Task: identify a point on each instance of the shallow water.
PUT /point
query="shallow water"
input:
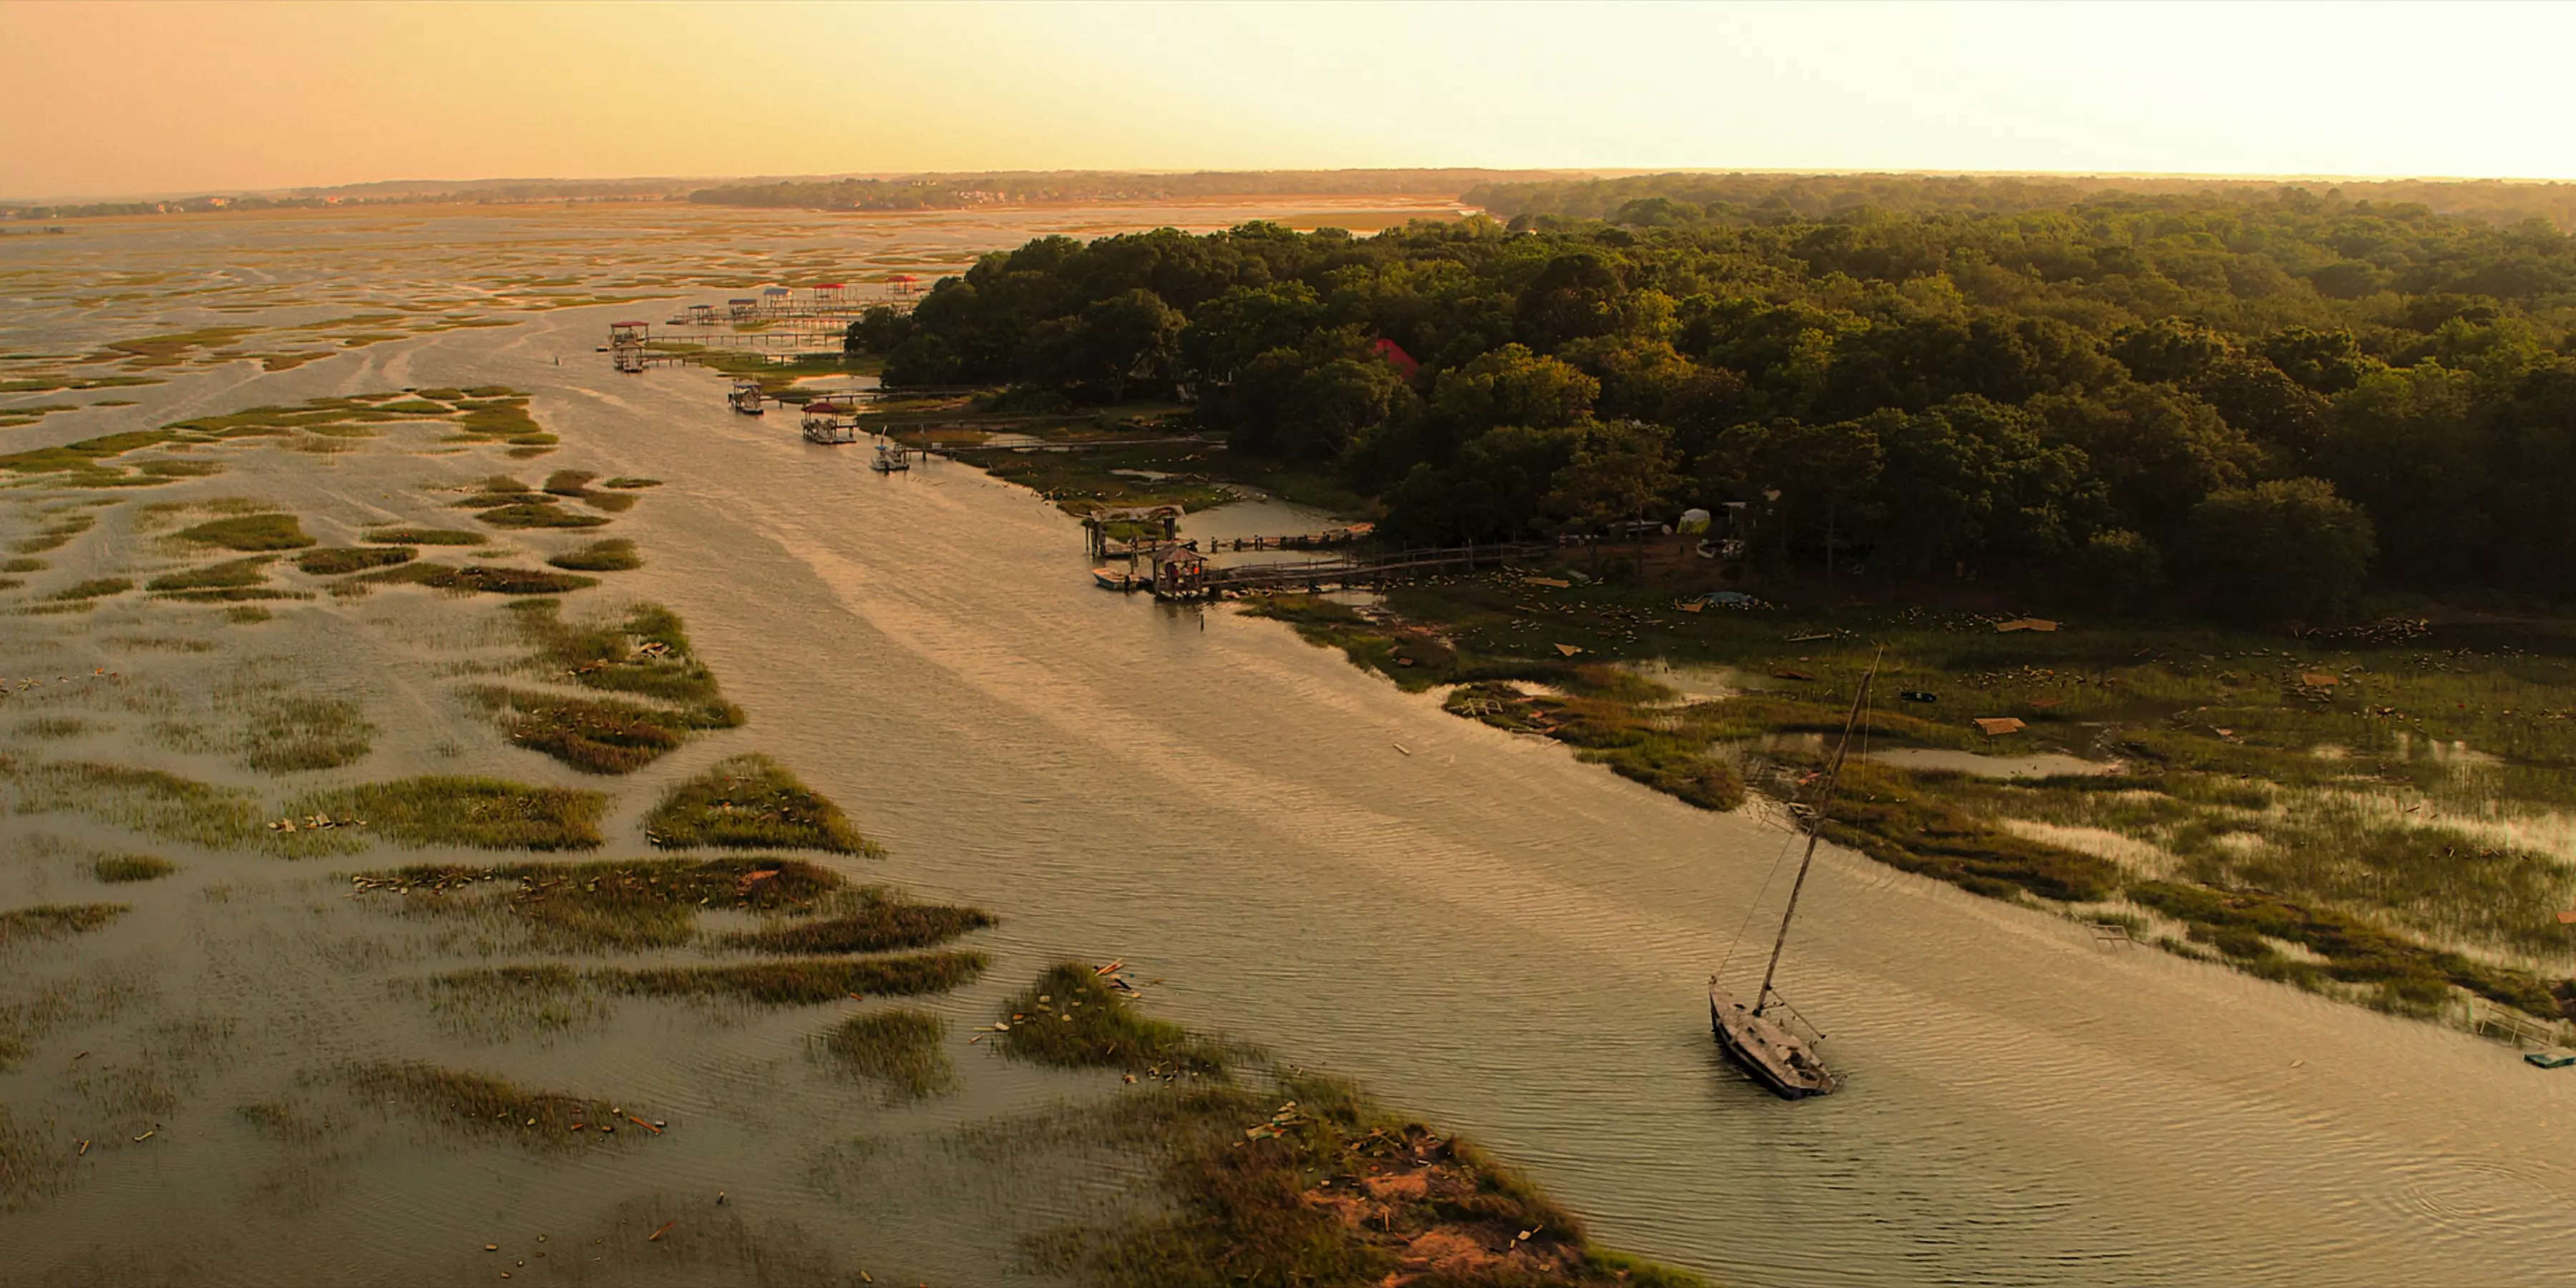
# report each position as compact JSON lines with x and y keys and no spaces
{"x":1489,"y":933}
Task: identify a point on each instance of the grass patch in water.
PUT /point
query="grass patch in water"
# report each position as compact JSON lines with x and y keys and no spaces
{"x":291,"y":735}
{"x":538,"y":515}
{"x":594,"y":735}
{"x":250,"y":532}
{"x":478,"y":813}
{"x":615,"y":905}
{"x":169,"y":468}
{"x":336,"y":561}
{"x":801,"y":983}
{"x":493,"y":1107}
{"x":424,"y":537}
{"x":53,"y":727}
{"x":55,"y":921}
{"x":617,"y":554}
{"x":246,"y":616}
{"x":878,"y":923}
{"x":230,"y":574}
{"x":96,"y":588}
{"x":1072,"y":1017}
{"x":150,"y":801}
{"x":897,"y":1049}
{"x":55,"y":535}
{"x":117,"y":869}
{"x":481,"y":579}
{"x":752,"y":802}
{"x":569,"y":482}
{"x":645,"y":654}
{"x":22,"y":565}
{"x":1303,"y":1180}
{"x":626,"y":482}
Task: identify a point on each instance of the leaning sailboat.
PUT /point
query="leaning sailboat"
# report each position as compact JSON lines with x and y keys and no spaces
{"x":1765,"y":1048}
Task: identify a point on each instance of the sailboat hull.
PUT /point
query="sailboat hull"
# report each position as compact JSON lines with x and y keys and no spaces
{"x":1771,"y":1055}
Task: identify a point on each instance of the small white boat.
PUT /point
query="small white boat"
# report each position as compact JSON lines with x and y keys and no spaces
{"x":891,"y":457}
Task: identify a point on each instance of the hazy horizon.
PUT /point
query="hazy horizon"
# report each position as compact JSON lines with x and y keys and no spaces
{"x":158,"y":99}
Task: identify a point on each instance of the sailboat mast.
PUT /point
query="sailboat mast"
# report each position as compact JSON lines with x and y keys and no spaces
{"x":1815,"y":831}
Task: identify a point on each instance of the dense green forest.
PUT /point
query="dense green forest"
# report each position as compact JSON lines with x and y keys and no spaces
{"x":2252,"y":407}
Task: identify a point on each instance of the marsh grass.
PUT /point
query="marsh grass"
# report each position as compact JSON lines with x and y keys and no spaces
{"x":336,"y":561}
{"x":150,"y":801}
{"x":569,"y":482}
{"x":616,"y":554}
{"x":752,"y":802}
{"x":52,"y":727}
{"x":2288,"y":771}
{"x":498,"y":1001}
{"x":424,"y":537}
{"x":228,"y":575}
{"x":477,"y":813}
{"x":246,"y":616}
{"x":483,"y":579}
{"x":290,"y":735}
{"x":537,"y":515}
{"x":646,"y":654}
{"x":1332,"y":1190}
{"x":281,"y":1120}
{"x":594,"y":735}
{"x":625,"y":482}
{"x":897,"y":1049}
{"x":800,"y":983}
{"x":20,"y":926}
{"x":96,"y":588}
{"x":871,"y":922}
{"x":1072,"y":1018}
{"x":493,"y":1107}
{"x":1273,"y":1175}
{"x":610,"y":905}
{"x":117,"y":869}
{"x":55,"y":535}
{"x":249,"y":532}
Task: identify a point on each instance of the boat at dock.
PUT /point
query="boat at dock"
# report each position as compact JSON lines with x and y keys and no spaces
{"x":1769,"y":1051}
{"x":830,"y":431}
{"x":746,"y":398}
{"x":890,"y":458}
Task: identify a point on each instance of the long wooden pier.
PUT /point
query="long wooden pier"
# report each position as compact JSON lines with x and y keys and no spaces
{"x":1178,"y":573}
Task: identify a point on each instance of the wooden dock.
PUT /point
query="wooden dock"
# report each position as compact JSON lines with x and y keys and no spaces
{"x":1172,"y":571}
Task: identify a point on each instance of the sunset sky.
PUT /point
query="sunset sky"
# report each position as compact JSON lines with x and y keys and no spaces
{"x":137,"y":98}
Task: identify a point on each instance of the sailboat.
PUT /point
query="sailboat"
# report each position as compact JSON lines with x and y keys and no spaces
{"x":1766,"y":1049}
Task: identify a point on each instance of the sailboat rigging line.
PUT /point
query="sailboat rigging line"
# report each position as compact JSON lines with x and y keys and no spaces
{"x":1816,"y":831}
{"x":1755,"y":907}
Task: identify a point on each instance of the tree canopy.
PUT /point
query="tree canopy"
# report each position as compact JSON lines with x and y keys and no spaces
{"x":2079,"y":381}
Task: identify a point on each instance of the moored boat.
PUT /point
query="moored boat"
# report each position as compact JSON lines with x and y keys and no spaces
{"x":1767,"y":1050}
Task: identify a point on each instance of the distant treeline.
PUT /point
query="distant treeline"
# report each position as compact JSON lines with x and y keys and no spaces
{"x":1688,"y":198}
{"x":2249,"y":403}
{"x":364,"y":194}
{"x":946,"y":191}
